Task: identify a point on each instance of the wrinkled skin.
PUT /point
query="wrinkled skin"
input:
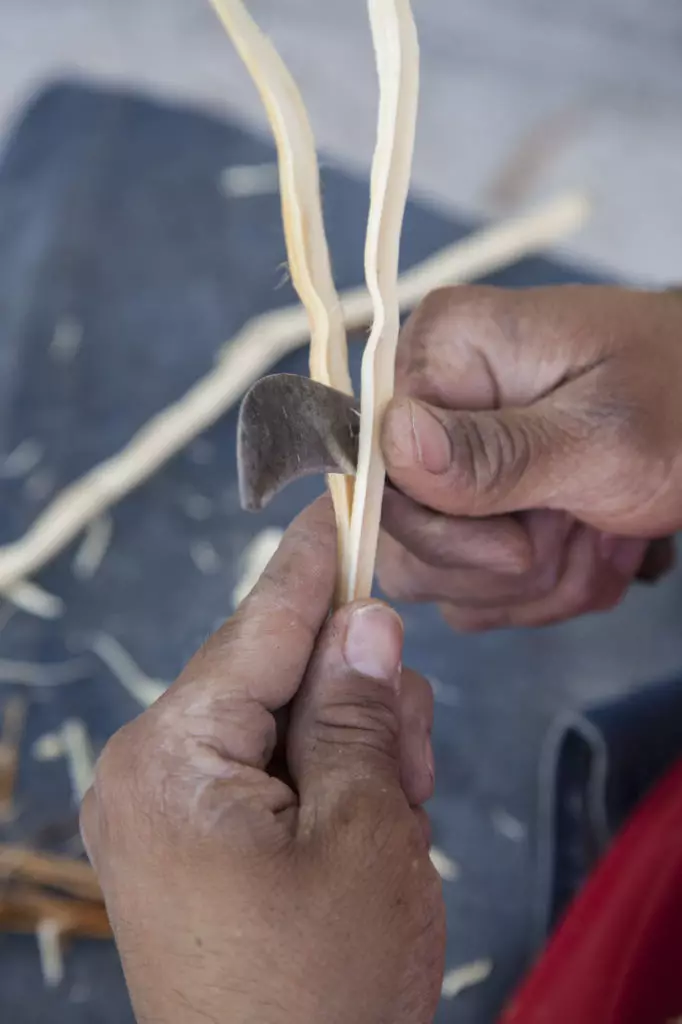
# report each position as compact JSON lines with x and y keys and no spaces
{"x":536,"y":446}
{"x":258,"y":833}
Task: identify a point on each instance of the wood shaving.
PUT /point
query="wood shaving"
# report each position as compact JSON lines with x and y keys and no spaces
{"x":205,"y":557}
{"x":254,"y":562}
{"x":459,"y":979}
{"x":93,"y":549}
{"x":22,"y":461}
{"x":448,"y":869}
{"x":49,"y":938}
{"x":244,"y":182}
{"x":80,"y":759}
{"x":255,"y":349}
{"x":29,"y":673}
{"x":13,"y":724}
{"x":66,"y":340}
{"x":30,"y":598}
{"x":447,"y":695}
{"x":508,"y":826}
{"x":143,"y":688}
{"x":48,"y":747}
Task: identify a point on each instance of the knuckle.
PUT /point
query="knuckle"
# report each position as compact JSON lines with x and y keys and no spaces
{"x":361,"y":720}
{"x":420,"y":341}
{"x":493,"y":455}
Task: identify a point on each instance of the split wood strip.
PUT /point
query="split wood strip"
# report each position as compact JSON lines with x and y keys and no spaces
{"x":397,"y":52}
{"x":13,"y":725}
{"x":256,"y":348}
{"x":24,"y":908}
{"x":73,"y":877}
{"x":306,"y":240}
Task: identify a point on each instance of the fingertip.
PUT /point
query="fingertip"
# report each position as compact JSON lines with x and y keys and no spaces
{"x":374,"y":641}
{"x":397,"y":436}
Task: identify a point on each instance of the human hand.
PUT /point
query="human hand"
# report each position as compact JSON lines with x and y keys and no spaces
{"x":539,"y":502}
{"x":258,"y":832}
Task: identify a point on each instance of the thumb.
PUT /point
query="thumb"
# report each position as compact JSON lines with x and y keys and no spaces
{"x":345,"y":731}
{"x":479,"y":463}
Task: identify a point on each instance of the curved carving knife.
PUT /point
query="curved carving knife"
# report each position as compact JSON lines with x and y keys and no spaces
{"x":291,"y":427}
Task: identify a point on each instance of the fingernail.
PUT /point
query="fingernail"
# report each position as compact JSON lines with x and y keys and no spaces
{"x":430,"y":439}
{"x":374,"y":642}
{"x":415,"y":436}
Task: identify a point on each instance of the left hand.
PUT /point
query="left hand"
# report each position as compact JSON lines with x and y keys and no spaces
{"x":476,"y":349}
{"x":258,"y":832}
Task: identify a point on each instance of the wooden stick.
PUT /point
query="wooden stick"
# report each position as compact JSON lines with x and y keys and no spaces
{"x":397,"y":52}
{"x":256,"y":348}
{"x":74,"y":877}
{"x":23,"y":908}
{"x":13,"y":723}
{"x":306,"y":241}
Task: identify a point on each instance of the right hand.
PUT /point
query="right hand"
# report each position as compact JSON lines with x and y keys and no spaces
{"x":536,"y":440}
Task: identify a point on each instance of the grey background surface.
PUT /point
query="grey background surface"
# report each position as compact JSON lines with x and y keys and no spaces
{"x":519,"y":97}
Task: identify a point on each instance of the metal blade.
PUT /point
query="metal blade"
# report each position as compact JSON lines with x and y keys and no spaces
{"x":291,"y":427}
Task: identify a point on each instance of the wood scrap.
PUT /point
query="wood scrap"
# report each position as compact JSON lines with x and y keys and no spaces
{"x":11,"y":735}
{"x":92,"y":551}
{"x":397,"y":51}
{"x":507,"y":825}
{"x":447,"y":868}
{"x":205,"y":557}
{"x":34,"y":673}
{"x":459,"y":979}
{"x":49,"y":938}
{"x":30,"y":598}
{"x":254,"y":561}
{"x":79,"y":756}
{"x":23,"y":908}
{"x":141,"y":687}
{"x":19,"y":864}
{"x":258,"y":346}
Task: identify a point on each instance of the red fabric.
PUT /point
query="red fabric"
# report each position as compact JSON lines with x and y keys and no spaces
{"x":617,"y":957}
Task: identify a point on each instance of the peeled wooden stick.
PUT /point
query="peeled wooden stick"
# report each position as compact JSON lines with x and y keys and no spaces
{"x":255,"y":349}
{"x":74,"y":877}
{"x":306,"y":241}
{"x":22,"y":908}
{"x":13,"y":723}
{"x":397,"y":53}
